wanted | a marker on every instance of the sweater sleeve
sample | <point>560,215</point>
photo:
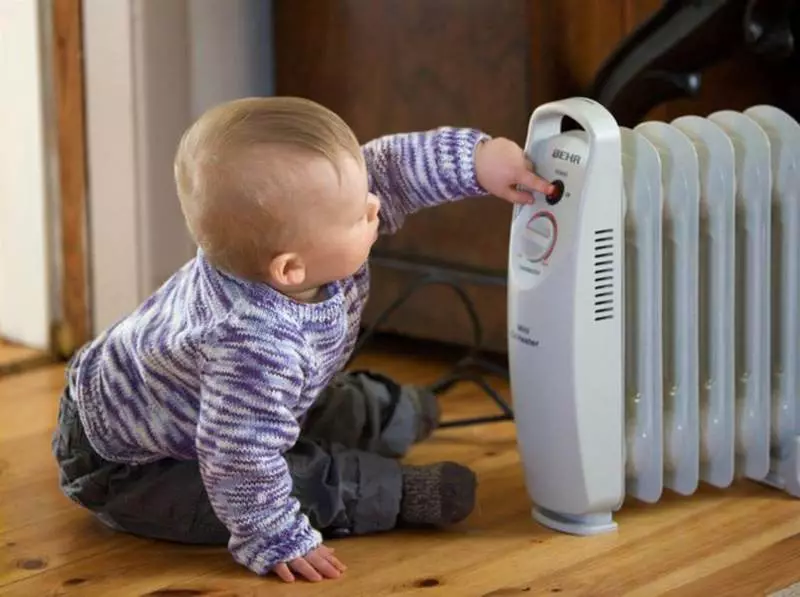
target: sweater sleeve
<point>246,423</point>
<point>411,171</point>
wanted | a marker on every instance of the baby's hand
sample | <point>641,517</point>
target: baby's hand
<point>314,566</point>
<point>501,165</point>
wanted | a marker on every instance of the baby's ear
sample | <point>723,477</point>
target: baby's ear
<point>287,269</point>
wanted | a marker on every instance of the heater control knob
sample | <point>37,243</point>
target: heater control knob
<point>540,236</point>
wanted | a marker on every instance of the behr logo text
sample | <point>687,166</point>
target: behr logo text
<point>572,158</point>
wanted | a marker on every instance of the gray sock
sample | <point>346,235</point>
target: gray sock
<point>437,494</point>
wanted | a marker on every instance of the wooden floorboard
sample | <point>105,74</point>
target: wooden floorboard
<point>10,352</point>
<point>741,541</point>
<point>15,358</point>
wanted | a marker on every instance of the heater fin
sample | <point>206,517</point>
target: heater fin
<point>716,292</point>
<point>641,167</point>
<point>753,288</point>
<point>784,135</point>
<point>680,241</point>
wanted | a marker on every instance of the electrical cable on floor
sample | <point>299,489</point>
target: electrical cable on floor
<point>464,370</point>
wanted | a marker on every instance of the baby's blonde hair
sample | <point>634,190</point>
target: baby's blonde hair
<point>234,178</point>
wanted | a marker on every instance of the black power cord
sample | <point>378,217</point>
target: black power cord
<point>465,369</point>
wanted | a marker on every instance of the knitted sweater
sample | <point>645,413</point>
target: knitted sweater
<point>219,369</point>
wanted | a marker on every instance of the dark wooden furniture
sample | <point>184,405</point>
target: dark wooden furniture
<point>398,65</point>
<point>715,53</point>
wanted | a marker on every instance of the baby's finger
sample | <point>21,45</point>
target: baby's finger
<point>335,561</point>
<point>535,182</point>
<point>283,572</point>
<point>322,565</point>
<point>518,194</point>
<point>327,553</point>
<point>306,570</point>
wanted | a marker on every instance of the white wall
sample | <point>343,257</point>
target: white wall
<point>152,66</point>
<point>112,185</point>
<point>25,309</point>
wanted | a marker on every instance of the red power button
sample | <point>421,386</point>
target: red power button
<point>557,193</point>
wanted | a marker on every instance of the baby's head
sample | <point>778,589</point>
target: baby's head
<point>275,189</point>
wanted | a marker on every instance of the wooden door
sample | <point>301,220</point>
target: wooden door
<point>391,66</point>
<point>73,328</point>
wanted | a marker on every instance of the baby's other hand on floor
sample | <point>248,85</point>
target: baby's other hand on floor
<point>501,165</point>
<point>315,566</point>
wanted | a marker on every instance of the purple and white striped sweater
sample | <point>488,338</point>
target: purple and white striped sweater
<point>218,369</point>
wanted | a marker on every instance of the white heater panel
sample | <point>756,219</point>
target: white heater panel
<point>753,289</point>
<point>680,177</point>
<point>784,135</point>
<point>641,167</point>
<point>566,340</point>
<point>717,168</point>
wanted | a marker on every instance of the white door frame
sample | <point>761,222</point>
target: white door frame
<point>151,66</point>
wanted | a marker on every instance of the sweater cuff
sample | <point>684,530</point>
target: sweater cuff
<point>305,540</point>
<point>458,161</point>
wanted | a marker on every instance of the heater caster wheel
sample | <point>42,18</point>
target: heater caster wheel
<point>575,524</point>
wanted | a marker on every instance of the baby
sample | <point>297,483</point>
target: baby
<point>217,412</point>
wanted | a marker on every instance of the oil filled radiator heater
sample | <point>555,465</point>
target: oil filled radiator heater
<point>654,314</point>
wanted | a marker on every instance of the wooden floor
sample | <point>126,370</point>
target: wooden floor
<point>15,358</point>
<point>743,541</point>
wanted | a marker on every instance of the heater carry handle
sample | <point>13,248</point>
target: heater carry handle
<point>593,117</point>
<point>604,162</point>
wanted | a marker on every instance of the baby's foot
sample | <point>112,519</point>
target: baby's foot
<point>423,401</point>
<point>426,409</point>
<point>437,494</point>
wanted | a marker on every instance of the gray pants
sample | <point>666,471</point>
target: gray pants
<point>344,467</point>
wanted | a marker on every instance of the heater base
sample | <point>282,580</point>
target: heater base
<point>575,524</point>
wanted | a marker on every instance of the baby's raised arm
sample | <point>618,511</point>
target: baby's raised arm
<point>411,171</point>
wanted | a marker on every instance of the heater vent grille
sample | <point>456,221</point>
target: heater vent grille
<point>603,274</point>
